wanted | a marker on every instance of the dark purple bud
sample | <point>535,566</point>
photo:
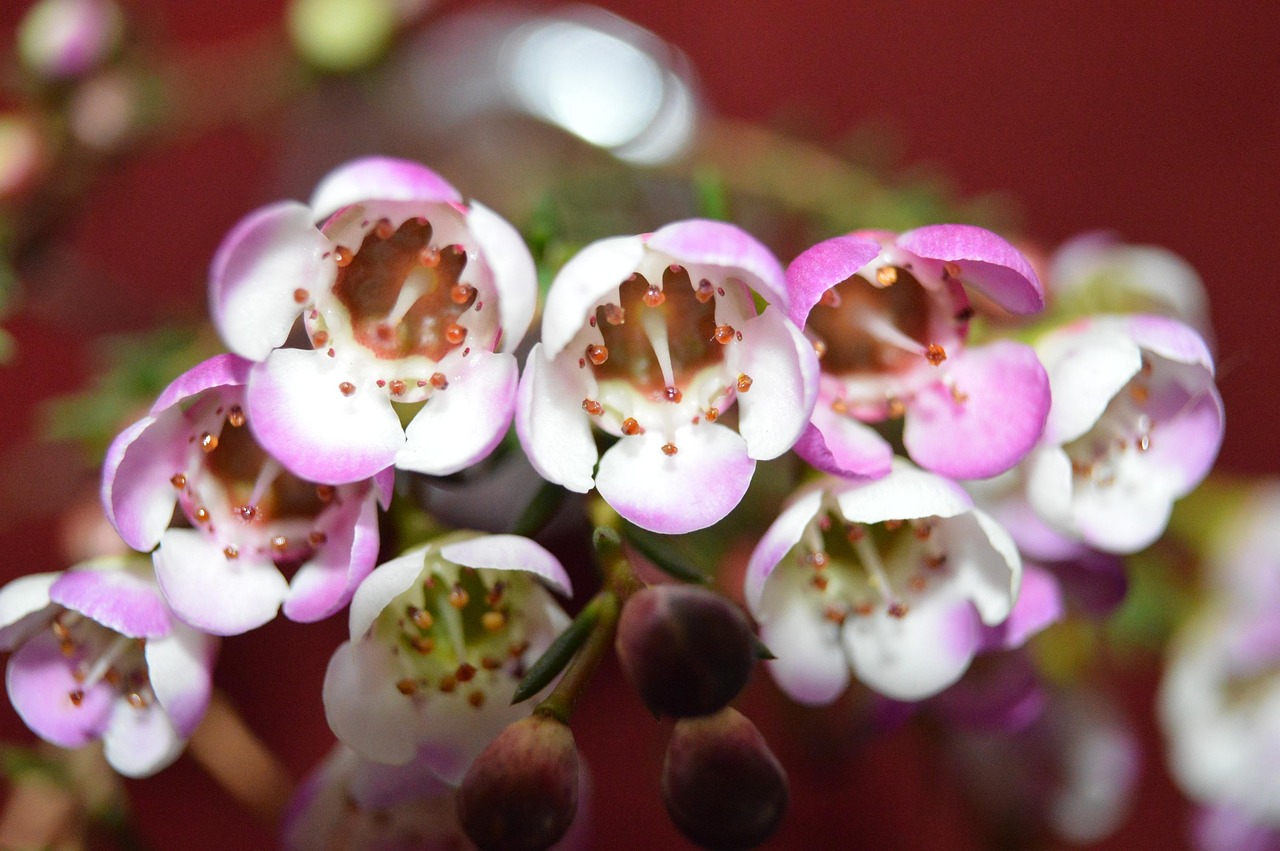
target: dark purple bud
<point>687,651</point>
<point>521,793</point>
<point>722,785</point>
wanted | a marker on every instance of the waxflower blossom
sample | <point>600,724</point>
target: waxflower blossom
<point>97,654</point>
<point>893,578</point>
<point>410,300</point>
<point>889,316</point>
<point>249,518</point>
<point>652,339</point>
<point>440,638</point>
<point>1136,423</point>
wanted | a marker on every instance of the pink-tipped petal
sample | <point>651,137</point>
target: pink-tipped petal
<point>300,413</point>
<point>136,494</point>
<point>554,431</point>
<point>1187,444</point>
<point>514,275</point>
<point>987,263</point>
<point>24,608</point>
<point>991,415</point>
<point>325,583</point>
<point>1039,604</point>
<point>363,706</point>
<point>905,494</point>
<point>988,568</point>
<point>41,682</point>
<point>1125,517</point>
<point>784,372</point>
<point>138,742</point>
<point>216,594</point>
<point>224,370</point>
<point>590,274</point>
<point>509,552</point>
<point>697,486</point>
<point>916,656</point>
<point>117,599</point>
<point>462,424</point>
<point>378,179</point>
<point>821,267</point>
<point>180,668</point>
<point>1087,367</point>
<point>843,446</point>
<point>262,262</point>
<point>783,534</point>
<point>1169,339</point>
<point>810,665</point>
<point>711,243</point>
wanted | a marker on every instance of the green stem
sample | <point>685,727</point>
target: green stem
<point>559,704</point>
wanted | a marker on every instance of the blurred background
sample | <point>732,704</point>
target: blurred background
<point>1157,121</point>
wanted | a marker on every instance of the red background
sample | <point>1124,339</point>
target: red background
<point>1158,120</point>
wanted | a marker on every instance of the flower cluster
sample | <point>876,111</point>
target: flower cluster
<point>372,333</point>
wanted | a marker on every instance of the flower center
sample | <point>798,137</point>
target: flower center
<point>403,294</point>
<point>98,654</point>
<point>872,327</point>
<point>457,632</point>
<point>1124,428</point>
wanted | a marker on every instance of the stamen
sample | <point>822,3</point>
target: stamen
<point>723,334</point>
<point>300,295</point>
<point>438,381</point>
<point>429,257</point>
<point>235,416</point>
<point>343,256</point>
<point>886,276</point>
<point>655,328</point>
<point>653,297</point>
<point>347,388</point>
<point>105,661</point>
<point>397,387</point>
<point>178,480</point>
<point>493,621</point>
<point>876,576</point>
<point>704,292</point>
<point>384,229</point>
<point>592,407</point>
<point>935,354</point>
<point>879,327</point>
<point>631,427</point>
<point>208,442</point>
<point>597,354</point>
<point>270,471</point>
<point>744,383</point>
<point>669,449</point>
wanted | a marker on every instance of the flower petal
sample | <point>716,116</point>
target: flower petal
<point>224,370</point>
<point>41,681</point>
<point>1169,339</point>
<point>262,262</point>
<point>514,275</point>
<point>363,706</point>
<point>388,581</point>
<point>23,605</point>
<point>180,668</point>
<point>301,416</point>
<point>1005,403</point>
<point>462,424</point>
<point>1087,364</point>
<point>712,243</point>
<point>915,656</point>
<point>136,494</point>
<point>843,446</point>
<point>810,665</point>
<point>509,552</point>
<point>1039,604</point>
<point>325,583</point>
<point>673,494</point>
<point>378,179</point>
<point>821,267</point>
<point>1188,444</point>
<point>139,741</point>
<point>784,372</point>
<point>905,494</point>
<point>783,534</point>
<point>583,281</point>
<point>116,599</point>
<point>988,568</point>
<point>987,263</point>
<point>555,432</point>
<point>224,596</point>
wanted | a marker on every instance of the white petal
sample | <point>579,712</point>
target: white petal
<point>22,607</point>
<point>363,706</point>
<point>179,667</point>
<point>224,596</point>
<point>1086,368</point>
<point>584,280</point>
<point>509,552</point>
<point>514,275</point>
<point>915,656</point>
<point>379,179</point>
<point>140,741</point>
<point>554,430</point>
<point>462,424</point>
<point>781,536</point>
<point>673,494</point>
<point>810,665</point>
<point>261,262</point>
<point>784,373</point>
<point>905,494</point>
<point>136,491</point>
<point>987,567</point>
<point>379,588</point>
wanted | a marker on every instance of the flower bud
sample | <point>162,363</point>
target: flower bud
<point>687,651</point>
<point>521,793</point>
<point>723,787</point>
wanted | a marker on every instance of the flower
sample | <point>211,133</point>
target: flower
<point>249,517</point>
<point>889,316</point>
<point>1136,423</point>
<point>652,339</point>
<point>409,298</point>
<point>440,638</point>
<point>97,654</point>
<point>62,39</point>
<point>893,578</point>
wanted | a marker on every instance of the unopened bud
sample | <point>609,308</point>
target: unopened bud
<point>521,793</point>
<point>687,651</point>
<point>723,787</point>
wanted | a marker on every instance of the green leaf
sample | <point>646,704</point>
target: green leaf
<point>763,652</point>
<point>559,654</point>
<point>663,556</point>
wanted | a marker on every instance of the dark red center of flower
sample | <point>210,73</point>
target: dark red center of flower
<point>844,323</point>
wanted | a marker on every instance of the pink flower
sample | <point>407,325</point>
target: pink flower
<point>98,655</point>
<point>409,298</point>
<point>896,578</point>
<point>1136,423</point>
<point>890,316</point>
<point>249,517</point>
<point>440,638</point>
<point>653,339</point>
